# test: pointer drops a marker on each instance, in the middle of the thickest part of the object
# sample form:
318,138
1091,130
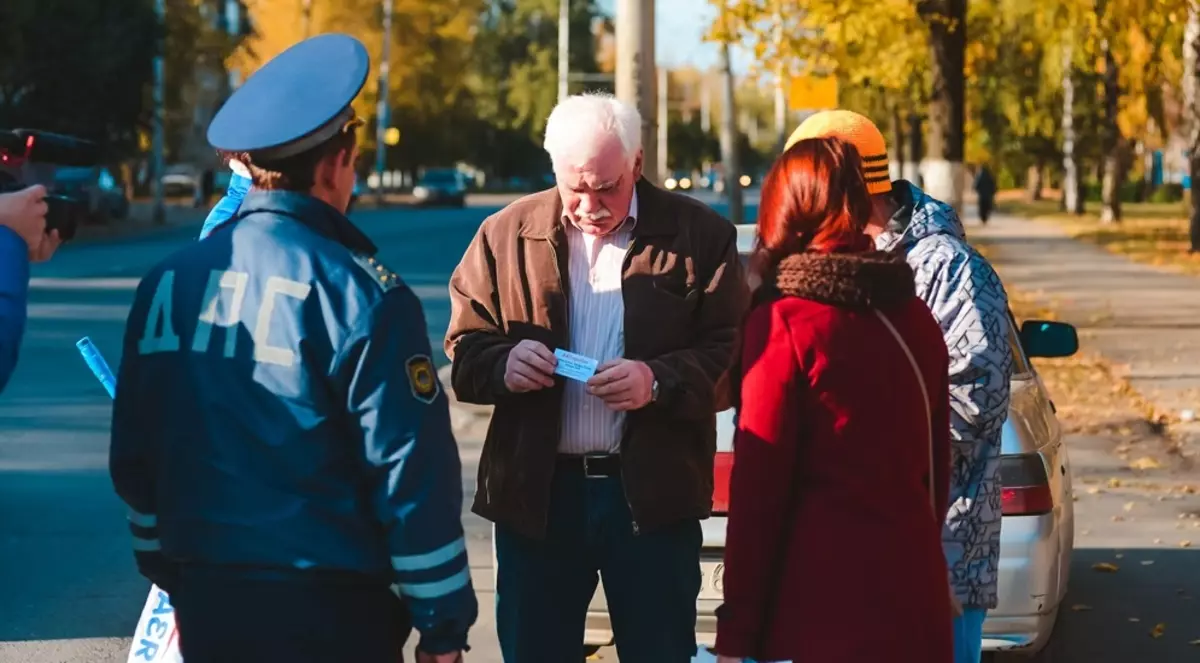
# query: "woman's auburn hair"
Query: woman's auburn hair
814,198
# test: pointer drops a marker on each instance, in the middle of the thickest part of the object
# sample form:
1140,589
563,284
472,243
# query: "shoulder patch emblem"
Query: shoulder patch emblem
422,379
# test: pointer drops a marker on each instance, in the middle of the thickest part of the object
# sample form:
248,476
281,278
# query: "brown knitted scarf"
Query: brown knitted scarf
855,280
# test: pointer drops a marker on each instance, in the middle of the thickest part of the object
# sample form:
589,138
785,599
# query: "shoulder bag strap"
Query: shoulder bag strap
912,360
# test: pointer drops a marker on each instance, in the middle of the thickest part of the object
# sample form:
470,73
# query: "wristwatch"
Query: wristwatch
654,391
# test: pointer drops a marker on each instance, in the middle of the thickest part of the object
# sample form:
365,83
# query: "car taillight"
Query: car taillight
722,467
1025,486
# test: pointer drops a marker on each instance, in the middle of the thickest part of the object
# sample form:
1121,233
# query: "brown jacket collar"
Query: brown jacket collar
542,212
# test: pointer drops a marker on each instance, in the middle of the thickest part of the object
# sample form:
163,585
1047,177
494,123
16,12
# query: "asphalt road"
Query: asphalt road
69,592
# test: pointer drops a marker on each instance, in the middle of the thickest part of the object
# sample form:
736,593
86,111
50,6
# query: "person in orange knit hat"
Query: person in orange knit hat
971,306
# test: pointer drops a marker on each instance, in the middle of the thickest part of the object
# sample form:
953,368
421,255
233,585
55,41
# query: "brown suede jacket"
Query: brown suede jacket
684,294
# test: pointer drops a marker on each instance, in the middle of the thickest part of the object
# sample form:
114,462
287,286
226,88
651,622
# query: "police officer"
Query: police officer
23,239
279,433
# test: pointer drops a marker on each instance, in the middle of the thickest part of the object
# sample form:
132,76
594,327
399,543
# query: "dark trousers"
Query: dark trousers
543,588
226,616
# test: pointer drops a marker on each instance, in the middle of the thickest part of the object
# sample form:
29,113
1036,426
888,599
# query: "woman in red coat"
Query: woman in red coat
833,550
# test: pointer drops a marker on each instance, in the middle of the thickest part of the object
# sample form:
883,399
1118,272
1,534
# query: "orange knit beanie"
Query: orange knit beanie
859,132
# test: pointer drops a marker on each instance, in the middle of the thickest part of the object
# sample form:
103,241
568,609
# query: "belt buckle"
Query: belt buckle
587,472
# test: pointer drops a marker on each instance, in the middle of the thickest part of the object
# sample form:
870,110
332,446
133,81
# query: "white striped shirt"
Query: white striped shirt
597,328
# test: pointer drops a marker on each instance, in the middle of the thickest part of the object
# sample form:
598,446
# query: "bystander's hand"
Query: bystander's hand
530,367
24,212
48,244
623,384
452,657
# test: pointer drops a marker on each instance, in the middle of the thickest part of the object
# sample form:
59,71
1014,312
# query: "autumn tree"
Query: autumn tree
515,77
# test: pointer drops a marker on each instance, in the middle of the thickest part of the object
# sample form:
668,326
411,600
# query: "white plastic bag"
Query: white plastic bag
156,640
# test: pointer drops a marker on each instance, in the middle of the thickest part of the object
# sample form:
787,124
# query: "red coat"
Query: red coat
833,553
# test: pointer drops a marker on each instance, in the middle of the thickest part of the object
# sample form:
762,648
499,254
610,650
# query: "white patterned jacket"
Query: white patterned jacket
971,306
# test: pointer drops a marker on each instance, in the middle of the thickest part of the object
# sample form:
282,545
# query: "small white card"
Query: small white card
573,366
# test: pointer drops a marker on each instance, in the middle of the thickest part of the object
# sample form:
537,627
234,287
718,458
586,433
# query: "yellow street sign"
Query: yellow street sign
812,93
391,136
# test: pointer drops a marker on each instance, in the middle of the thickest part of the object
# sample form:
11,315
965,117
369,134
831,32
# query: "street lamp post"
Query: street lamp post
636,77
382,110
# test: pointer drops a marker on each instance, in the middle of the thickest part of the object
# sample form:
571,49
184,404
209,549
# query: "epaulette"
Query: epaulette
386,278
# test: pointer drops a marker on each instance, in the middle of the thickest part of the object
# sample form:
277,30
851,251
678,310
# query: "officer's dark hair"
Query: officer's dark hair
297,172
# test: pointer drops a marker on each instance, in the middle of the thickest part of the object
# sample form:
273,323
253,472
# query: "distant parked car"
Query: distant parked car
104,196
180,180
1037,535
441,186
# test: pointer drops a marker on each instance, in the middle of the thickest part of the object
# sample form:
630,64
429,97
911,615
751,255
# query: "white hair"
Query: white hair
578,123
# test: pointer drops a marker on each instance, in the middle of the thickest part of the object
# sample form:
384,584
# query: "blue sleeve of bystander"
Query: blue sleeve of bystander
227,207
14,294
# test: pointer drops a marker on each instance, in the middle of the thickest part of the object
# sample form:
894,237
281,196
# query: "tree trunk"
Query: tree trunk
1110,187
1033,182
729,139
946,21
896,161
1191,90
1071,186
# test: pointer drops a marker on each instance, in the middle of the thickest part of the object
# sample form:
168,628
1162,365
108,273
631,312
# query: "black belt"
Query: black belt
595,466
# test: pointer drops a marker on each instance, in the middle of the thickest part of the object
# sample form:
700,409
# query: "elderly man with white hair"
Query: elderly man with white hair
602,474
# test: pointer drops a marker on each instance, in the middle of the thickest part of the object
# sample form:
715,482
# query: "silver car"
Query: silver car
1037,534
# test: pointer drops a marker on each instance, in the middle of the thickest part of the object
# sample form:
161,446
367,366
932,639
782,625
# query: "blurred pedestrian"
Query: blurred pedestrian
971,307
985,192
841,478
23,239
606,476
284,476
207,184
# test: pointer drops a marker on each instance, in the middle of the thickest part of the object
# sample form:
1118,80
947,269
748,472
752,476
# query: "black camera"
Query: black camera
29,157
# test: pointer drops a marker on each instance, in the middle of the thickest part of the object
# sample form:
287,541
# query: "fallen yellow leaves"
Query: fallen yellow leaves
1105,567
1080,607
1158,631
1145,463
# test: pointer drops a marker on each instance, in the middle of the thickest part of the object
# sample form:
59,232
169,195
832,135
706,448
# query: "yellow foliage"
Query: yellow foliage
430,46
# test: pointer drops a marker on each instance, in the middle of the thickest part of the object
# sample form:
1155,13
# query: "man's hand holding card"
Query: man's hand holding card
530,367
623,384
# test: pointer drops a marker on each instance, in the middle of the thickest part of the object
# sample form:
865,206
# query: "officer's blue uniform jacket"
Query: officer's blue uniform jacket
14,293
277,407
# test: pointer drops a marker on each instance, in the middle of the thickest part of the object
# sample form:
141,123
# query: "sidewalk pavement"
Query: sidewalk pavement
1144,321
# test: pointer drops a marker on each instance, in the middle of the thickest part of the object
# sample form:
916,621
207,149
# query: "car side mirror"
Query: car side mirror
1043,338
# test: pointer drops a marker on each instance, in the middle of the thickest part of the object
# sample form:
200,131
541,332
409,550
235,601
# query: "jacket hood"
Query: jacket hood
855,280
919,216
